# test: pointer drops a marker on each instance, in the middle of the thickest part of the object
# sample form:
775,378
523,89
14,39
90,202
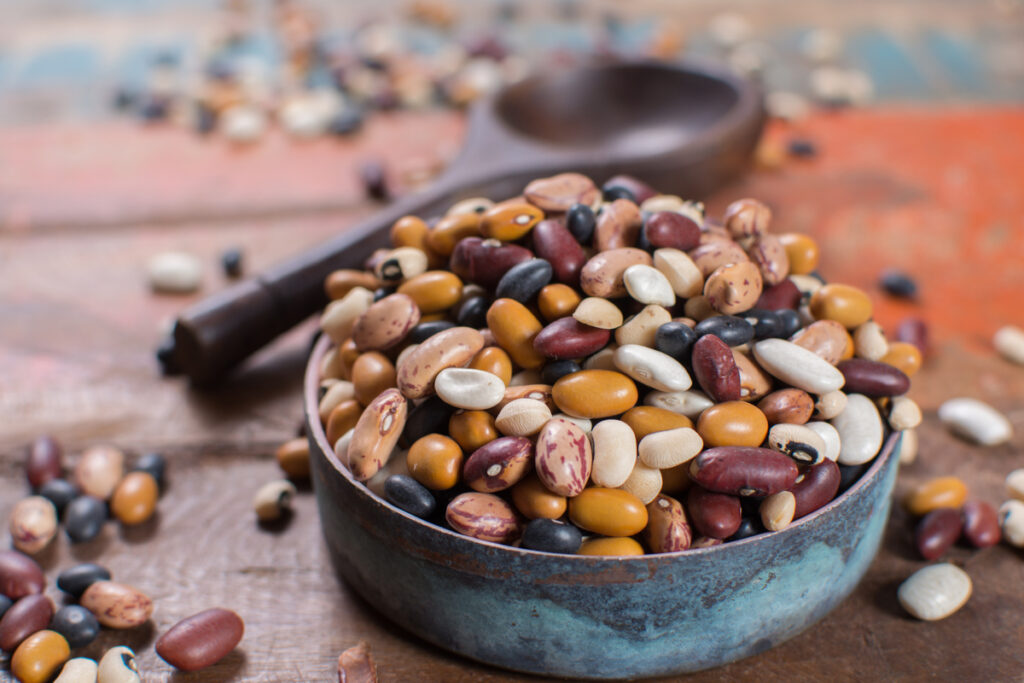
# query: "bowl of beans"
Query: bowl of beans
590,432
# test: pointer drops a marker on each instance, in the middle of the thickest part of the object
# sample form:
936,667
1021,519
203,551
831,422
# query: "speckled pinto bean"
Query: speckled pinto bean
743,471
498,464
618,225
711,256
448,349
873,378
553,241
815,488
601,276
569,338
715,369
117,605
564,457
485,262
483,516
714,515
767,252
376,434
734,288
560,192
667,529
385,322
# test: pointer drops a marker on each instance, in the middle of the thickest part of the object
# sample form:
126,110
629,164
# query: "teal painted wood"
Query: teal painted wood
591,617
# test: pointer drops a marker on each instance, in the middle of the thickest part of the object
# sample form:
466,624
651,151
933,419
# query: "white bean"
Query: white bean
797,366
1009,342
935,592
860,430
469,389
652,367
975,421
615,452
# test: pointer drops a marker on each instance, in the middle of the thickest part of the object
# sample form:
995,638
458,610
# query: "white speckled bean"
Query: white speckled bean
935,592
1011,521
1009,342
652,367
648,285
830,436
670,447
976,421
690,403
860,430
469,389
615,453
797,366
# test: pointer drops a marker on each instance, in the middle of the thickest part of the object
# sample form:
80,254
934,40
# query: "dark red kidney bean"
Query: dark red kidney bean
28,615
981,524
714,515
873,378
580,221
676,339
784,295
670,229
731,329
524,280
485,262
498,464
569,338
744,471
815,488
19,575
201,640
429,417
715,369
937,532
43,461
638,188
554,242
914,331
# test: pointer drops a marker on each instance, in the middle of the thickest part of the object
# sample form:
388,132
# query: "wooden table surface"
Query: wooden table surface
934,192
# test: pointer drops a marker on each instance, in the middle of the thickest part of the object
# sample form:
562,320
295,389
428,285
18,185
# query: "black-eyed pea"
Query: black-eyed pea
615,453
564,457
273,500
494,360
117,605
372,373
642,328
669,448
733,288
39,656
338,393
33,524
376,434
535,501
78,670
830,436
621,546
643,482
903,413
483,516
829,405
118,666
469,389
598,312
401,263
685,278
869,341
799,442
935,592
522,417
340,316
777,510
699,308
557,301
690,403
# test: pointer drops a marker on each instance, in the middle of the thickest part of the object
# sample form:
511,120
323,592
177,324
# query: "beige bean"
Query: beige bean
830,436
469,389
602,360
904,413
376,433
522,417
651,367
681,272
860,430
98,471
670,448
699,308
869,341
807,284
618,225
273,500
777,510
797,366
734,288
601,276
662,202
935,592
829,405
598,312
648,285
341,446
643,482
332,366
452,348
563,458
338,393
909,446
118,666
33,524
340,316
385,323
615,453
642,327
1009,342
690,403
404,354
78,670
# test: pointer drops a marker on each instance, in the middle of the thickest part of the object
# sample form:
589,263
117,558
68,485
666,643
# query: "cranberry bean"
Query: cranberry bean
770,256
567,338
667,529
450,348
43,461
713,255
715,369
28,615
815,488
601,276
618,225
553,241
714,515
376,433
743,471
784,295
981,524
937,532
564,457
485,262
201,640
385,323
747,217
672,230
498,464
483,516
873,378
117,605
19,575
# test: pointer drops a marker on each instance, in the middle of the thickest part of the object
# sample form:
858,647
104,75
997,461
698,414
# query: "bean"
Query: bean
830,404
385,323
732,423
338,393
847,305
273,500
552,536
720,252
84,517
611,547
869,341
451,348
770,257
26,616
642,328
802,252
714,515
557,301
782,296
609,512
568,338
643,482
873,378
747,217
341,282
860,430
20,575
674,204
976,421
602,360
615,453
935,592
715,369
648,285
668,229
410,495
594,394
675,339
980,524
435,461
801,443
498,464
560,192
555,370
98,471
477,205
651,367
75,580
908,446
509,221
766,324
688,403
904,413
534,500
485,262
469,389
667,529
483,516
749,526
743,471
1014,485
644,420
755,383
705,542
77,624
514,328
174,272
472,313
118,666
1011,522
372,373
787,406
376,434
1009,342
535,392
201,640
602,275
555,244
815,488
522,417
618,225
39,657
734,287
340,316
937,532
730,329
580,221
849,474
903,356
898,284
827,339
43,462
401,263
791,322
777,510
33,524
78,670
610,193
797,366
154,464
60,492
686,278
134,499
941,492
117,605
829,436
472,429
524,281
293,456
564,457
5,604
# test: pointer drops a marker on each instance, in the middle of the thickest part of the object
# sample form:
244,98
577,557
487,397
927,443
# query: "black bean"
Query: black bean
731,329
555,370
5,604
676,339
205,121
409,494
84,517
153,109
580,220
473,312
524,281
429,417
60,492
425,331
612,192
77,624
375,181
899,284
766,323
552,536
790,321
849,474
75,580
749,526
347,122
382,292
804,149
153,463
231,262
165,357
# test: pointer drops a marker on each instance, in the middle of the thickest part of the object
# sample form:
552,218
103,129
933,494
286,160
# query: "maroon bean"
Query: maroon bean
714,515
553,241
29,614
937,531
569,338
815,488
498,464
201,640
981,524
715,369
43,461
484,262
670,229
873,378
914,331
780,296
641,190
744,471
19,575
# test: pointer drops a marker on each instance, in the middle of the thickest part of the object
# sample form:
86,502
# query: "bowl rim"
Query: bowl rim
317,434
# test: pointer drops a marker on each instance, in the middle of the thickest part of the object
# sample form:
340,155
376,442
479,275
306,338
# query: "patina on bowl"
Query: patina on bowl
593,617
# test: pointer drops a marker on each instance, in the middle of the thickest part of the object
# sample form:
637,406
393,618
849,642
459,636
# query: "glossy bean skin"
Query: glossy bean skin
782,296
644,420
429,417
667,529
567,338
941,492
790,406
134,499
495,361
60,492
903,356
714,515
39,657
676,339
376,434
563,457
732,423
485,262
385,323
433,291
498,464
117,605
509,221
372,373
560,192
74,580
77,624
472,313
731,329
621,546
672,230
815,488
847,305
201,640
744,471
715,369
524,281
609,512
937,532
435,461
553,242
20,575
451,348
873,378
551,536
594,394
84,518
514,328
410,495
26,616
43,461
601,275
980,524
483,516
914,331
536,501
580,221
618,225
557,301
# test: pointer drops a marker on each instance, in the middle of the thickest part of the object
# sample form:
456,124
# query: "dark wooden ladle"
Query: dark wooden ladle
684,129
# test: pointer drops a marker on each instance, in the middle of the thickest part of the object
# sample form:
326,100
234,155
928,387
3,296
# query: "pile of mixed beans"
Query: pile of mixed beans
606,371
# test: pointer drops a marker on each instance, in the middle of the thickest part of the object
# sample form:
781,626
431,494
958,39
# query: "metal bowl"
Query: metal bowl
593,617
